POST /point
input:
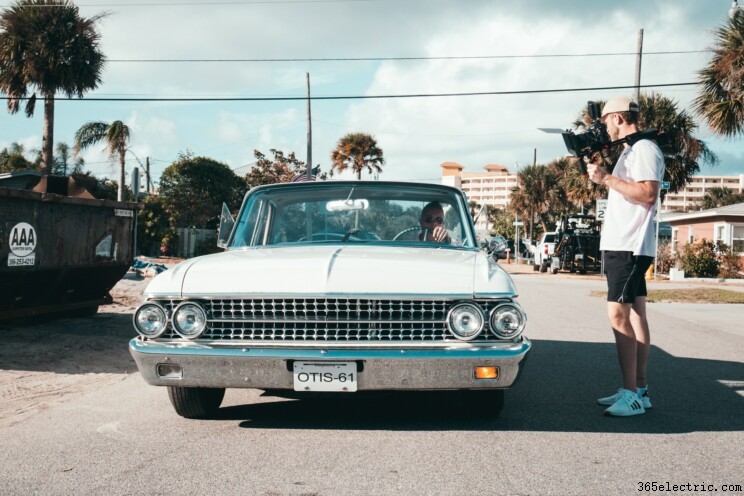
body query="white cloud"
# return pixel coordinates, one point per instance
(416, 134)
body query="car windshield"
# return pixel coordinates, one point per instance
(336, 212)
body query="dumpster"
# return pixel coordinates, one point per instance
(60, 253)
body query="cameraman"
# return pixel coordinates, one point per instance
(628, 245)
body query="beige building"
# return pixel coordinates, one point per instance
(491, 187)
(689, 198)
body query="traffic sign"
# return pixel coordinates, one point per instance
(665, 185)
(518, 223)
(600, 209)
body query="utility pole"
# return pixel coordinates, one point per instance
(639, 53)
(532, 214)
(309, 133)
(147, 174)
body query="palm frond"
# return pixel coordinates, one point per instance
(89, 134)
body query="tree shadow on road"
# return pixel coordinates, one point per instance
(94, 344)
(556, 393)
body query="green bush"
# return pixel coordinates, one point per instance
(699, 259)
(665, 259)
(729, 262)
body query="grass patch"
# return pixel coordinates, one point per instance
(691, 295)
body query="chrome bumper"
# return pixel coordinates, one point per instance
(222, 366)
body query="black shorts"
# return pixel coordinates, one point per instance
(625, 275)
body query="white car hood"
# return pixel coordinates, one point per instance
(334, 270)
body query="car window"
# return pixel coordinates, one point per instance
(549, 238)
(347, 213)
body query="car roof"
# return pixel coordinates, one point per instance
(311, 184)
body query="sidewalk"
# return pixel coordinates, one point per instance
(527, 269)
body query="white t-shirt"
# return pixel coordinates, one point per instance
(628, 226)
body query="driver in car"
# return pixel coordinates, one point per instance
(432, 224)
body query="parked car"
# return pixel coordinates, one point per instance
(326, 286)
(523, 250)
(544, 250)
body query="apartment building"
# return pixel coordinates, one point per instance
(491, 187)
(689, 198)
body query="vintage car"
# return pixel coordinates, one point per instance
(330, 286)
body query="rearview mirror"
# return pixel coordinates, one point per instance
(346, 205)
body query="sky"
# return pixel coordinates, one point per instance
(517, 41)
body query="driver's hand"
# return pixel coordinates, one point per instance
(438, 235)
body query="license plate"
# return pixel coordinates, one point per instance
(325, 376)
(579, 256)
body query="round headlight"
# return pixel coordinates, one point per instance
(465, 321)
(508, 321)
(150, 320)
(189, 320)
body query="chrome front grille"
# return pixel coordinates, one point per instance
(327, 319)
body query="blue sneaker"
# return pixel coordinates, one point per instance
(628, 403)
(642, 393)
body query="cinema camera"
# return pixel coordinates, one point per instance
(595, 138)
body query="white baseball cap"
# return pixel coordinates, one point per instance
(619, 104)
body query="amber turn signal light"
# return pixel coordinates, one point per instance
(486, 372)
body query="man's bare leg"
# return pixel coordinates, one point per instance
(625, 341)
(643, 338)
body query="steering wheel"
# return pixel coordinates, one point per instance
(405, 231)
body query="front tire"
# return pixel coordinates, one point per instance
(544, 267)
(195, 403)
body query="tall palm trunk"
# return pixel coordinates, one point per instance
(122, 161)
(47, 139)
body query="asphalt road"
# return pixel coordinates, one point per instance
(124, 438)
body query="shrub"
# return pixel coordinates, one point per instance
(729, 262)
(699, 259)
(665, 259)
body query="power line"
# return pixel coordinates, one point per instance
(357, 97)
(188, 4)
(400, 59)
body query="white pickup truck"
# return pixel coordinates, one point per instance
(544, 250)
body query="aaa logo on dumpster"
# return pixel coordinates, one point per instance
(22, 243)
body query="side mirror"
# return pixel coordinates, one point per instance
(226, 225)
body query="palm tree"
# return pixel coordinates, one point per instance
(116, 135)
(358, 151)
(575, 189)
(537, 193)
(62, 161)
(721, 99)
(720, 197)
(46, 46)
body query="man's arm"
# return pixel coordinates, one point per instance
(645, 192)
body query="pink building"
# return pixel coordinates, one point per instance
(724, 224)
